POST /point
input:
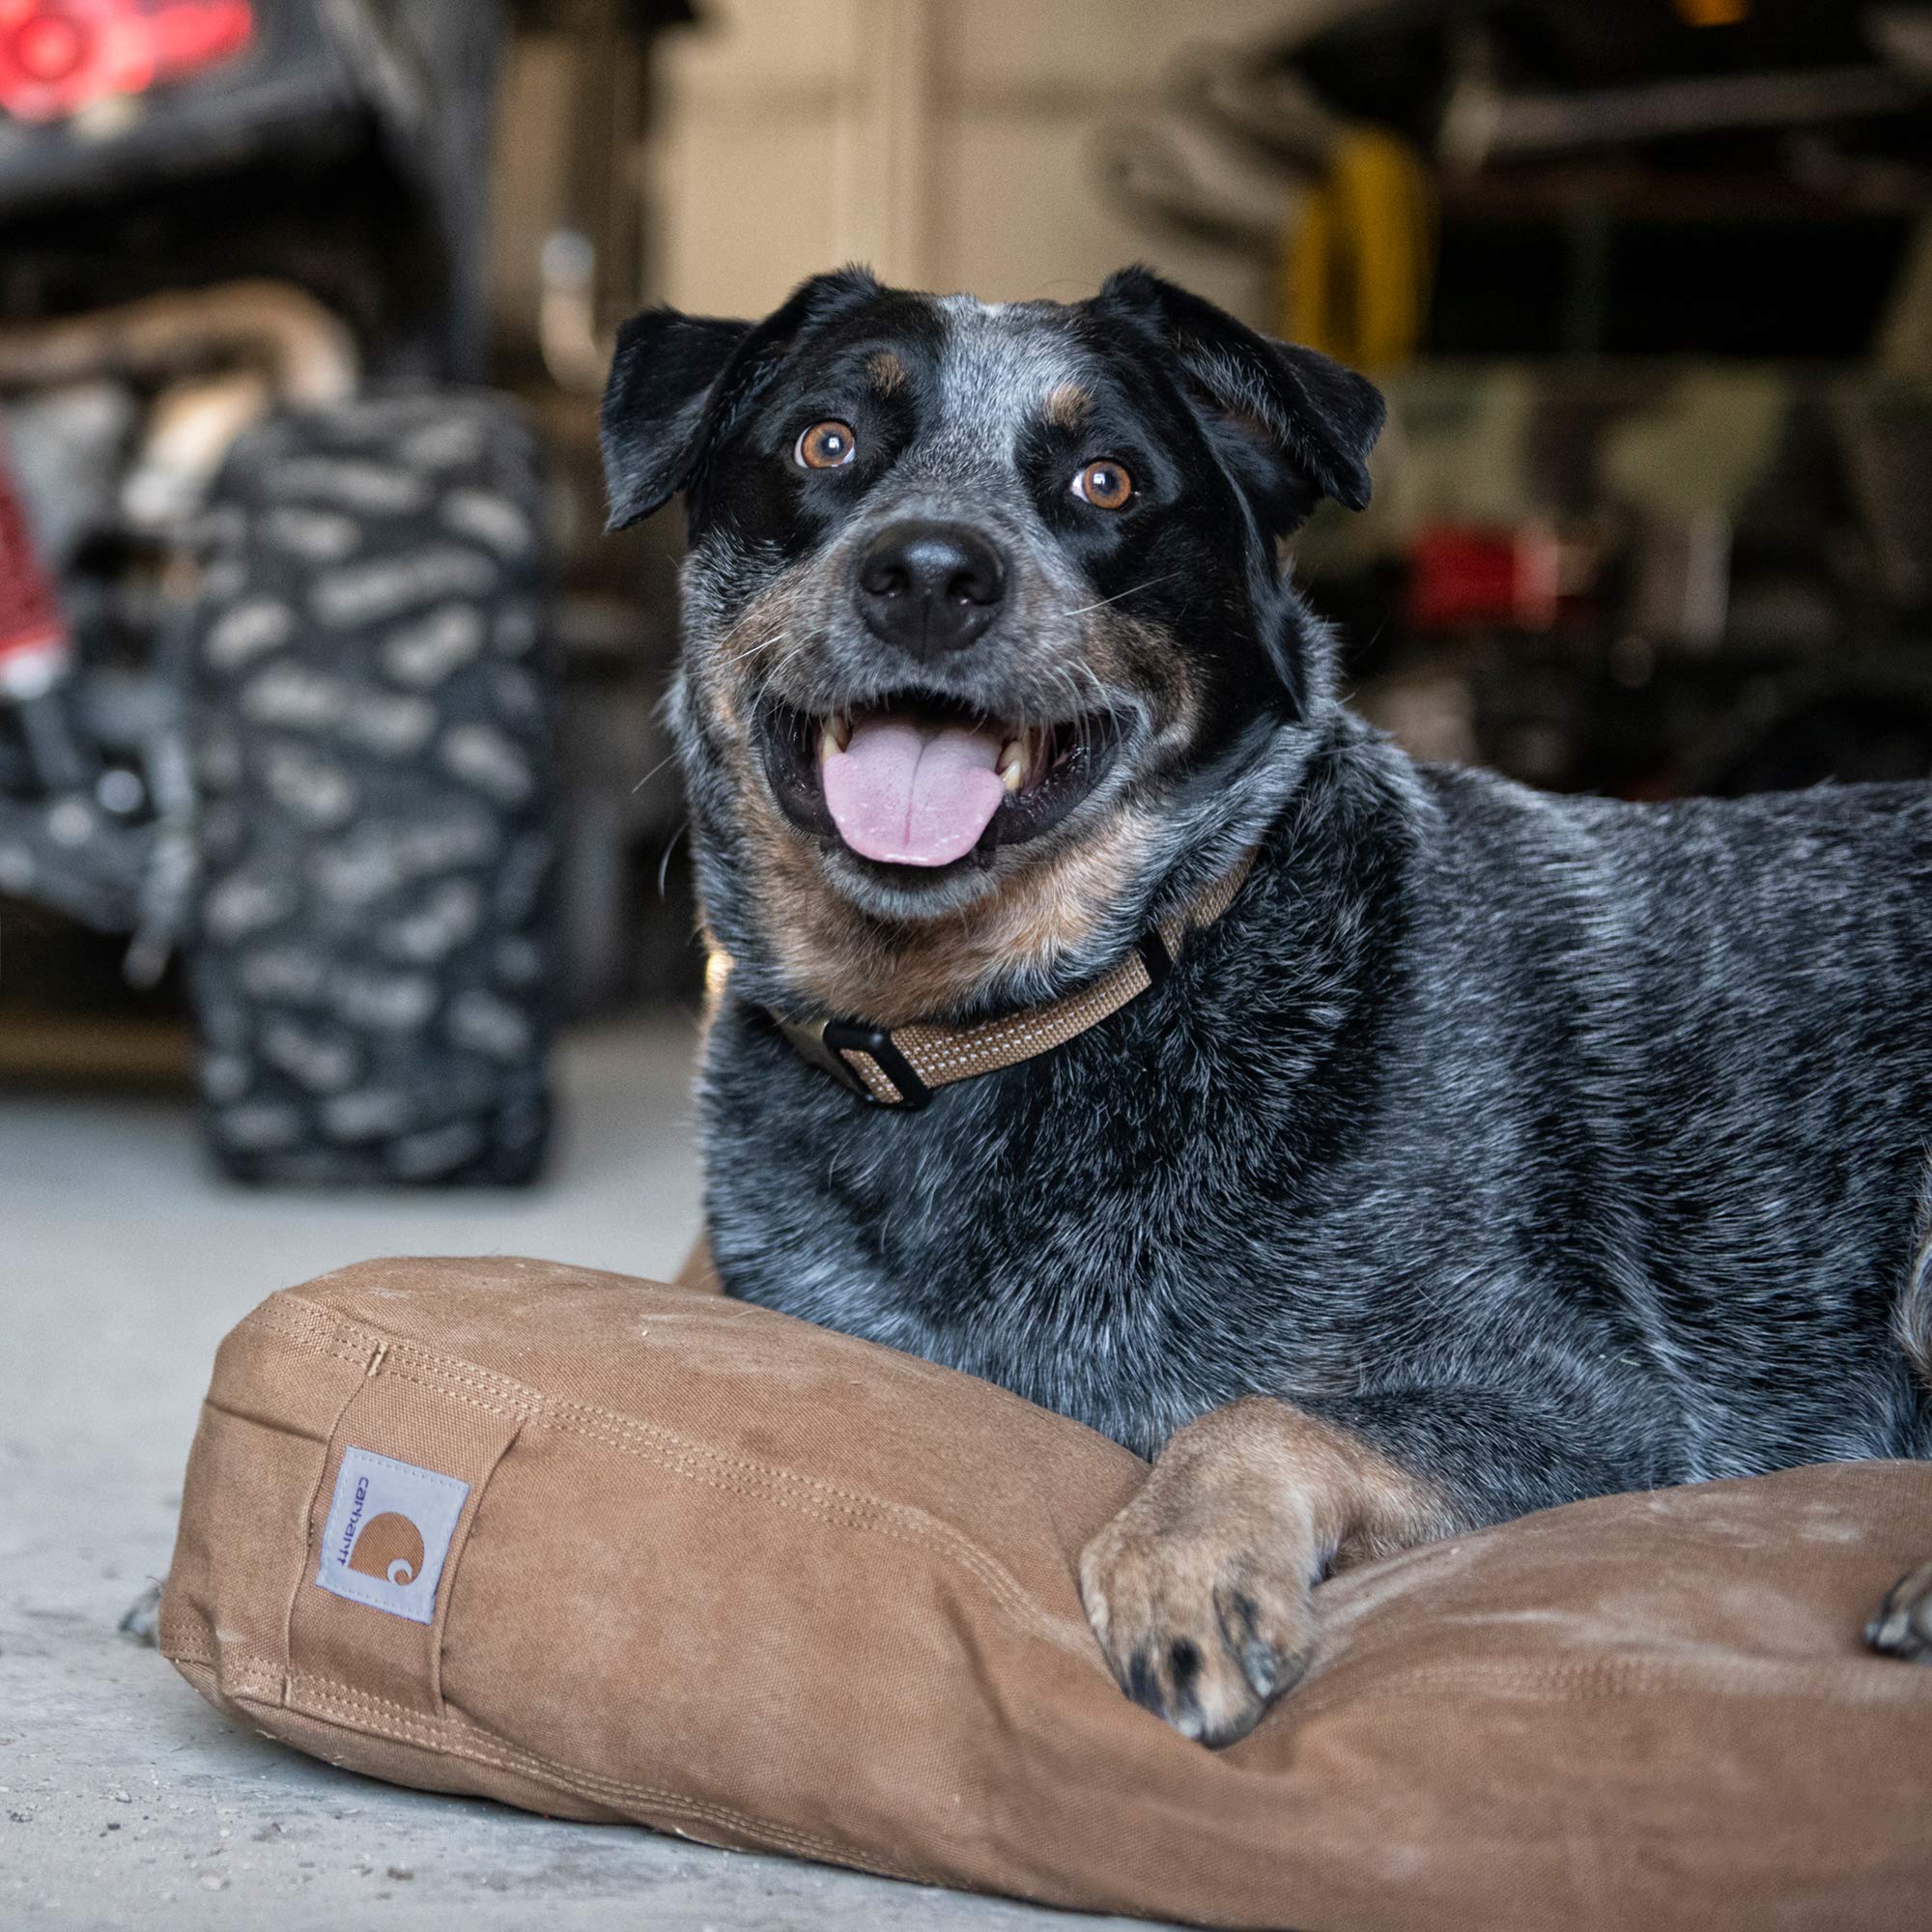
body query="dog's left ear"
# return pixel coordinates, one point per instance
(1294, 425)
(678, 382)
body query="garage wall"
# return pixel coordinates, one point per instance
(947, 144)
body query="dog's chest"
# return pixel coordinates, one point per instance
(1069, 1238)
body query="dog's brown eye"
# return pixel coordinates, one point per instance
(1105, 484)
(826, 445)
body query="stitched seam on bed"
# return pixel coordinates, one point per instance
(520, 1413)
(1602, 1677)
(610, 1419)
(235, 1671)
(484, 1747)
(528, 1399)
(436, 1368)
(402, 1720)
(917, 1525)
(424, 1737)
(302, 1322)
(860, 1510)
(446, 1371)
(517, 1757)
(316, 1328)
(286, 1311)
(870, 1516)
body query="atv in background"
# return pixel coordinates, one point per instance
(274, 681)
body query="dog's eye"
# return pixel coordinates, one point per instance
(1105, 484)
(826, 445)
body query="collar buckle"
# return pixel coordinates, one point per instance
(825, 1043)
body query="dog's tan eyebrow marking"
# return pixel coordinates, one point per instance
(1067, 405)
(887, 371)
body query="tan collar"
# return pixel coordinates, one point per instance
(900, 1068)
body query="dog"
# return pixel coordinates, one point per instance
(1105, 1010)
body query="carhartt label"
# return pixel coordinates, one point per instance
(387, 1534)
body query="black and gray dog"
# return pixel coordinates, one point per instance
(1491, 1151)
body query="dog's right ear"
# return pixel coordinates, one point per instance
(680, 382)
(653, 427)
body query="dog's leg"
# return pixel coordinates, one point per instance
(1199, 1589)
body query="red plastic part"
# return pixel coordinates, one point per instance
(1461, 575)
(33, 634)
(59, 56)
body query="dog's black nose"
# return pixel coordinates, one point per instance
(929, 587)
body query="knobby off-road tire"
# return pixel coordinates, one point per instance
(371, 960)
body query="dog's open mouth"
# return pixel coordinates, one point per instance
(919, 781)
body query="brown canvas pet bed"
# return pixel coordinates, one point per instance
(618, 1550)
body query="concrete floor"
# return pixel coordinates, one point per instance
(124, 1799)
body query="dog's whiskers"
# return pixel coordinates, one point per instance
(671, 845)
(762, 686)
(1132, 590)
(668, 758)
(755, 648)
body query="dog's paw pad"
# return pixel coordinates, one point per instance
(1903, 1626)
(1197, 1631)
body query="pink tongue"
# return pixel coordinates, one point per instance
(913, 795)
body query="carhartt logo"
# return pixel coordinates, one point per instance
(391, 1548)
(388, 1531)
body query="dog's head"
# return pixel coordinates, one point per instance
(987, 640)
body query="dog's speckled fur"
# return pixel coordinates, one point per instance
(1537, 1147)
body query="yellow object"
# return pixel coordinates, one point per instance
(1713, 13)
(1358, 254)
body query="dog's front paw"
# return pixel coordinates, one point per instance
(1198, 1624)
(1903, 1626)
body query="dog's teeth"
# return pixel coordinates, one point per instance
(1016, 761)
(833, 735)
